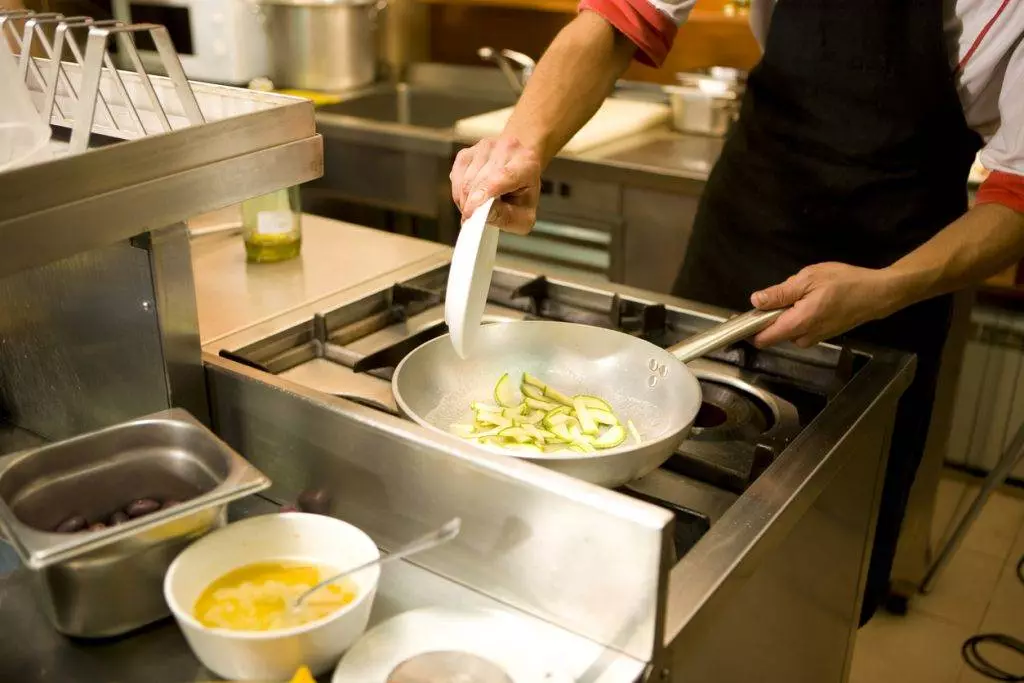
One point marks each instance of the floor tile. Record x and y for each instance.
(964, 589)
(1018, 547)
(996, 528)
(947, 503)
(915, 648)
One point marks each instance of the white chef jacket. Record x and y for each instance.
(986, 52)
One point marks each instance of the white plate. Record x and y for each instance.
(506, 640)
(469, 279)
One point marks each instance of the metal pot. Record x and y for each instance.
(706, 102)
(325, 45)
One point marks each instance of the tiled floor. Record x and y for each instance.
(978, 593)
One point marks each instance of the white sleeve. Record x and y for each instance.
(1004, 151)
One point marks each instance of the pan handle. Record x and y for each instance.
(731, 331)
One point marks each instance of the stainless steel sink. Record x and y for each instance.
(416, 106)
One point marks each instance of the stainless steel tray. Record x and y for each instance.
(167, 455)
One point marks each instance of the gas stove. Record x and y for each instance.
(755, 402)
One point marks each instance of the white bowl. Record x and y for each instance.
(273, 655)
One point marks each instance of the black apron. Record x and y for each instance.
(851, 146)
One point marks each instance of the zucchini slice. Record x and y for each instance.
(592, 402)
(633, 431)
(587, 423)
(538, 404)
(505, 392)
(603, 417)
(612, 437)
(530, 391)
(463, 430)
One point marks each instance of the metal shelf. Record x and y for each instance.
(130, 180)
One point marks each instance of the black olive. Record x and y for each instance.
(141, 507)
(119, 517)
(72, 524)
(315, 501)
(170, 503)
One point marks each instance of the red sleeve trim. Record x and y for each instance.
(1002, 188)
(981, 35)
(651, 31)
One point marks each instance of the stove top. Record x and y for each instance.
(755, 402)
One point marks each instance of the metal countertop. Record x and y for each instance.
(33, 652)
(232, 294)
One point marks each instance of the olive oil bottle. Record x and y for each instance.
(272, 226)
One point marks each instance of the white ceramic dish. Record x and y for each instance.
(273, 655)
(469, 279)
(503, 639)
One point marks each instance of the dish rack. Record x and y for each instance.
(99, 321)
(131, 149)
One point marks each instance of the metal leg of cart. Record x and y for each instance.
(1007, 462)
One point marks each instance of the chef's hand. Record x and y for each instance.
(826, 300)
(503, 168)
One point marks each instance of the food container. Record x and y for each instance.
(323, 45)
(273, 655)
(706, 103)
(108, 582)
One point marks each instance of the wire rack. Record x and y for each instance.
(130, 149)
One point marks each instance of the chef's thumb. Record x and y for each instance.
(512, 218)
(777, 296)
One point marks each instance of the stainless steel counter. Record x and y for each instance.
(232, 294)
(32, 652)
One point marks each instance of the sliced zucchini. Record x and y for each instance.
(633, 431)
(536, 434)
(533, 418)
(592, 402)
(484, 437)
(587, 423)
(612, 437)
(517, 434)
(533, 381)
(463, 430)
(538, 404)
(603, 417)
(479, 406)
(530, 391)
(505, 392)
(557, 416)
(562, 432)
(492, 420)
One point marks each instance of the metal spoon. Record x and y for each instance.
(439, 536)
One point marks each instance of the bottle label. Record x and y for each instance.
(274, 222)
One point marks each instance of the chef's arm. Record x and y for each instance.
(576, 74)
(986, 240)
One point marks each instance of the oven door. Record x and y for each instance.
(571, 246)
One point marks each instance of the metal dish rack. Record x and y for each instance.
(99, 321)
(133, 150)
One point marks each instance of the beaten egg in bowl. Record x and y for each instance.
(260, 596)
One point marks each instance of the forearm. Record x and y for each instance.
(984, 241)
(577, 72)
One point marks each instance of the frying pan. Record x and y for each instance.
(643, 383)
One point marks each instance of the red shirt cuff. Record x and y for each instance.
(1002, 188)
(651, 31)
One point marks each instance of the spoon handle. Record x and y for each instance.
(442, 534)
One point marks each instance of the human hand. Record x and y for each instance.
(826, 300)
(500, 168)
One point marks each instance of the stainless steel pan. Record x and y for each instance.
(643, 383)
